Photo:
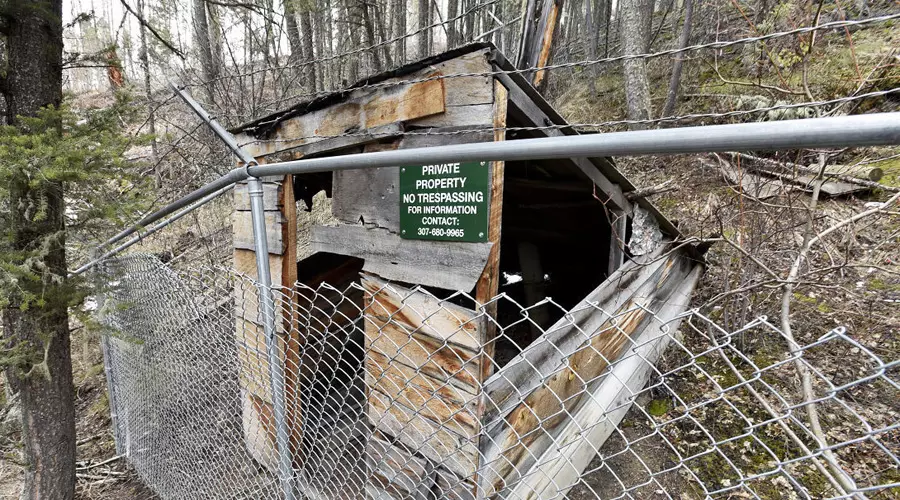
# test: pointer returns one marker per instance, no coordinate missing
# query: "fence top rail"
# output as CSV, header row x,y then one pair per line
x,y
876,129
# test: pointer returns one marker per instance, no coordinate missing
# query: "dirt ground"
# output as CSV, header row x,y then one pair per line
x,y
110,481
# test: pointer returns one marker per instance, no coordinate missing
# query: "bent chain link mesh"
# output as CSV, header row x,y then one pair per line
x,y
377,409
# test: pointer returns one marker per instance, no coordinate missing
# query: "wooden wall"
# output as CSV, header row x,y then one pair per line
x,y
428,364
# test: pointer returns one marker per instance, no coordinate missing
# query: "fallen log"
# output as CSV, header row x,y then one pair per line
x,y
790,168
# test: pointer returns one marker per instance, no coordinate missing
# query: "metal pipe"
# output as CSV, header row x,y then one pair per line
x,y
152,229
878,129
266,302
267,316
219,130
226,181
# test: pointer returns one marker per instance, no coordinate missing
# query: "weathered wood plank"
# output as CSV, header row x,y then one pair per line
x,y
562,464
489,282
371,196
368,196
363,109
473,115
368,107
530,429
242,228
468,90
271,196
423,313
450,487
259,430
421,99
253,361
395,473
249,335
527,371
442,264
439,445
361,138
436,400
245,264
437,358
618,223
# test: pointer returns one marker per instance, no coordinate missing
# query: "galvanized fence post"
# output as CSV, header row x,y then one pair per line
x,y
267,315
100,298
266,301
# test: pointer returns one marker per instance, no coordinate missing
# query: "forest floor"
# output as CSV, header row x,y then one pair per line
x,y
114,480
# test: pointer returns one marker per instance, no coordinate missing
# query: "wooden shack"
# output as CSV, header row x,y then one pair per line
x,y
457,393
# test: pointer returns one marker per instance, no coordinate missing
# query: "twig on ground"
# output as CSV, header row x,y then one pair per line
x,y
98,464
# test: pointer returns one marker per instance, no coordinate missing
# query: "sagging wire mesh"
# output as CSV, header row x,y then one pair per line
x,y
396,392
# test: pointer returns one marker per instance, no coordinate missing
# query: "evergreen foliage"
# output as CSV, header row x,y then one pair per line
x,y
86,151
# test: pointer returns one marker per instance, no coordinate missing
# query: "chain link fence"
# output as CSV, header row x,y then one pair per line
x,y
590,407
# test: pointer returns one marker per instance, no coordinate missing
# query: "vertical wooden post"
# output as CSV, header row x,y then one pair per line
x,y
618,225
489,282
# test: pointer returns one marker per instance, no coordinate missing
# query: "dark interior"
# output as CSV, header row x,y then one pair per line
x,y
555,243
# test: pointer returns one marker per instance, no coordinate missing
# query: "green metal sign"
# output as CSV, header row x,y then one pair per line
x,y
447,201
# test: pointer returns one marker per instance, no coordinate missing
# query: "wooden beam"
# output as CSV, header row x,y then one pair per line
x,y
561,467
523,436
536,117
489,282
618,223
525,372
371,196
281,227
335,144
433,102
442,264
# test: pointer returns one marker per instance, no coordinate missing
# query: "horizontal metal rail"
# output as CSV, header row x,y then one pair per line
x,y
154,228
877,129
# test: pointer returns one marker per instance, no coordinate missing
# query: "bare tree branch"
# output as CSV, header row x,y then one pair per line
x,y
155,33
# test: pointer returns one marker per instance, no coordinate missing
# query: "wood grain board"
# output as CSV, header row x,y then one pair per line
x,y
439,445
535,423
424,101
442,264
371,197
423,373
561,466
395,473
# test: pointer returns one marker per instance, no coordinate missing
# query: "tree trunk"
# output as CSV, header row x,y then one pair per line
x,y
370,35
351,23
423,6
204,51
452,11
293,34
607,15
34,80
309,54
590,49
398,11
144,58
675,82
319,36
634,37
381,22
469,19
